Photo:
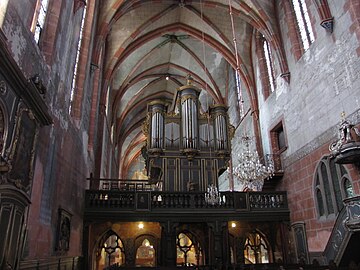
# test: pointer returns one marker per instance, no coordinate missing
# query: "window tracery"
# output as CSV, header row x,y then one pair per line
x,y
332,185
256,249
111,252
189,251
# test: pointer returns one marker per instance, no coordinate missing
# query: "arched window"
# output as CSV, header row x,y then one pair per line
x,y
347,187
111,252
269,64
320,202
77,58
256,249
303,23
332,185
189,251
145,254
39,19
266,65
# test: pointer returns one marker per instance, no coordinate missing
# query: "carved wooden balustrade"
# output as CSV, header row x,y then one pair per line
x,y
255,201
157,204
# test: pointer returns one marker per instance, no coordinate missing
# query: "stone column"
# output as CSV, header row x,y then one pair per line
x,y
168,244
88,258
284,232
130,252
239,243
219,244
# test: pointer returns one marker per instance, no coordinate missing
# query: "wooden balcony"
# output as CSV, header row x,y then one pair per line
x,y
135,205
275,160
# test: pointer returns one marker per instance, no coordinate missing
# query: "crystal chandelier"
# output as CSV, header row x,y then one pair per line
x,y
212,196
249,171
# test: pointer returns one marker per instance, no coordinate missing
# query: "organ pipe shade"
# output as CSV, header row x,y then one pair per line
x,y
221,128
206,135
172,135
189,118
157,110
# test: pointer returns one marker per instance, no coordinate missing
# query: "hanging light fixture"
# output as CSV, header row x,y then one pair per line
x,y
249,171
212,195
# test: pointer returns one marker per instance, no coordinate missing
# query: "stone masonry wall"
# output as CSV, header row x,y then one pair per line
x,y
324,82
62,161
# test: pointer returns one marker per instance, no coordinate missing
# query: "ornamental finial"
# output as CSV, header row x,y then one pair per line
x,y
189,79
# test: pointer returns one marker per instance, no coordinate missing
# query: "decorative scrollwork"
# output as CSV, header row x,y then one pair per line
x,y
3,88
186,97
345,135
231,130
22,153
145,125
39,84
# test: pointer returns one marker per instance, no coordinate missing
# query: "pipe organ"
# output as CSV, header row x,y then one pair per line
x,y
186,150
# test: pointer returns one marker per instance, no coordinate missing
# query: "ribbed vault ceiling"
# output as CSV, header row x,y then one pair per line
x,y
151,46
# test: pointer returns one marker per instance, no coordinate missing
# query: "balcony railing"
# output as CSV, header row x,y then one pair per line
x,y
158,200
275,161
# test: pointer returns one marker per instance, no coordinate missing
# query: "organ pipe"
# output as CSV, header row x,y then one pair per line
x,y
219,113
157,125
189,117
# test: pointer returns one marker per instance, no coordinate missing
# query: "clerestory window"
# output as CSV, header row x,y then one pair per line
x,y
265,64
39,19
303,23
269,64
73,84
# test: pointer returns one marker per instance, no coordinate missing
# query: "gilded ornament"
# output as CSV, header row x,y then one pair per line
x,y
231,130
145,125
172,114
186,97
